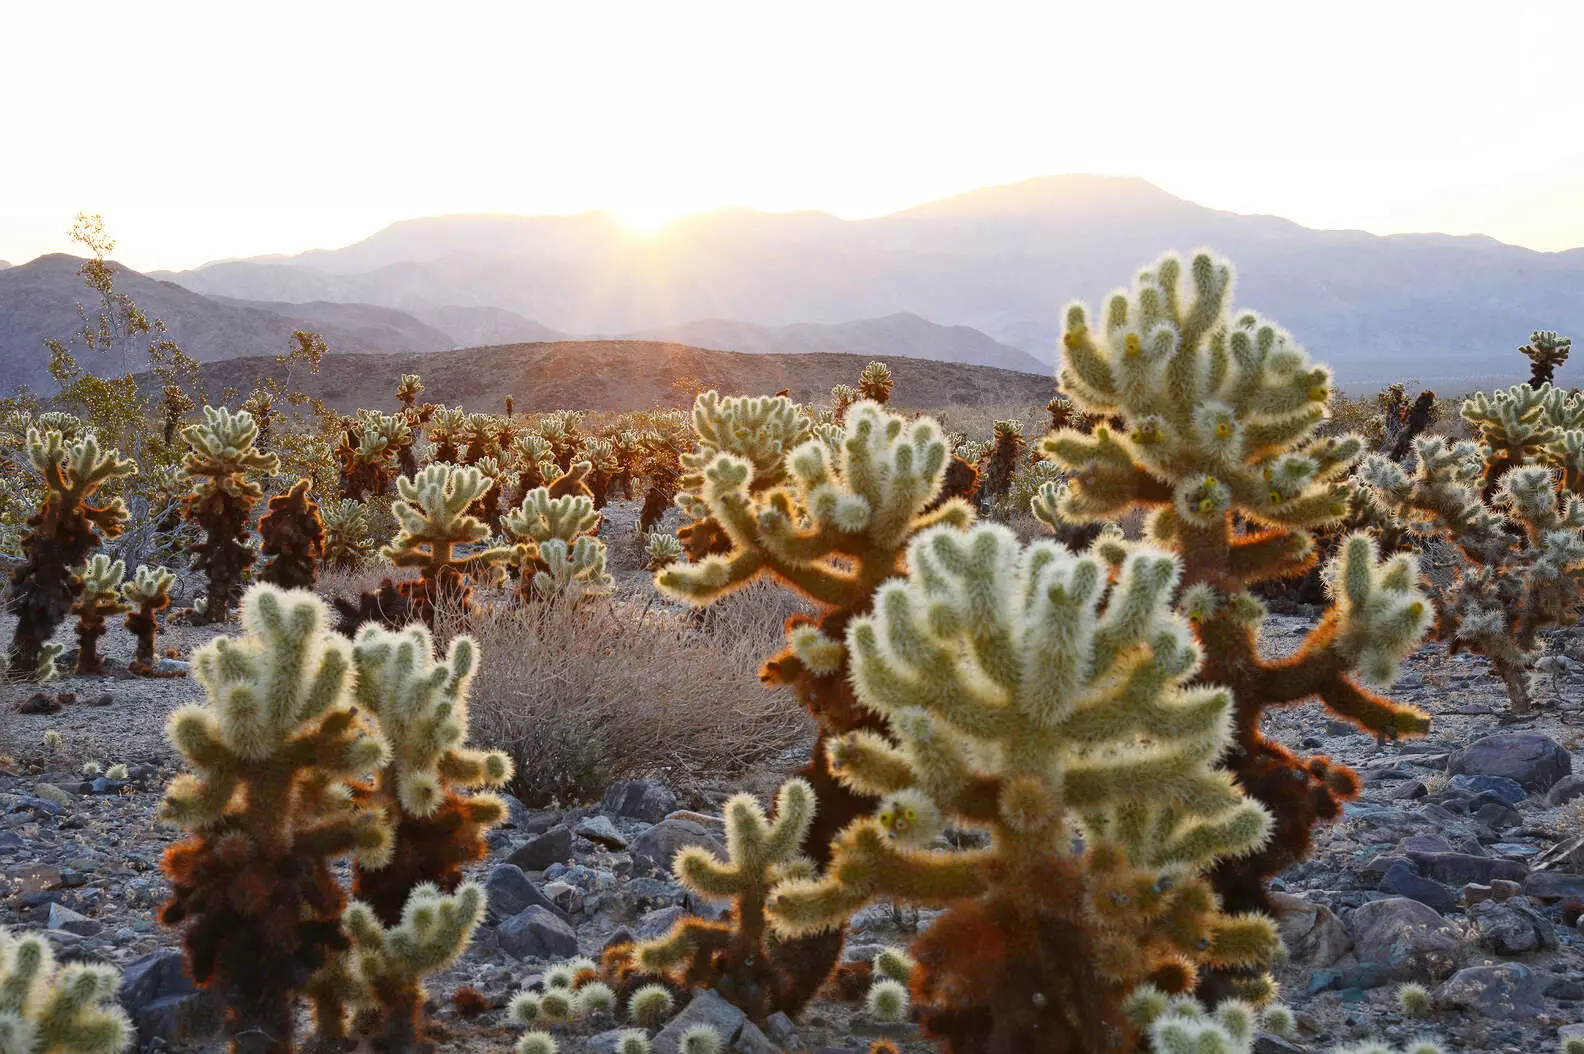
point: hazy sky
(206, 130)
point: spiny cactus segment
(221, 455)
(48, 1008)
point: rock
(1553, 886)
(1511, 927)
(1402, 880)
(648, 892)
(537, 933)
(639, 800)
(64, 918)
(600, 830)
(781, 1029)
(51, 793)
(1533, 760)
(1504, 789)
(1456, 869)
(157, 975)
(707, 1008)
(175, 1019)
(657, 922)
(168, 667)
(1510, 991)
(654, 849)
(1265, 1043)
(752, 1041)
(40, 703)
(1502, 889)
(540, 851)
(620, 935)
(565, 896)
(1312, 932)
(1411, 942)
(1565, 790)
(508, 891)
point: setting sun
(647, 220)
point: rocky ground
(1453, 869)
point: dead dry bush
(630, 686)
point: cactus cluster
(221, 455)
(49, 1008)
(1219, 411)
(554, 549)
(98, 599)
(292, 538)
(374, 447)
(146, 595)
(61, 535)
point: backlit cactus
(221, 454)
(875, 383)
(374, 448)
(390, 962)
(1030, 696)
(1546, 352)
(98, 599)
(267, 807)
(420, 705)
(292, 538)
(731, 957)
(1006, 453)
(61, 535)
(553, 546)
(146, 595)
(348, 544)
(48, 1008)
(1520, 553)
(1218, 413)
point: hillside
(628, 375)
(1435, 309)
(904, 334)
(37, 301)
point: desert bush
(575, 698)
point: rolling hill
(1004, 260)
(628, 375)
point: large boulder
(508, 891)
(639, 800)
(707, 1008)
(1406, 939)
(1511, 991)
(540, 851)
(1311, 931)
(654, 849)
(1511, 927)
(1535, 761)
(537, 933)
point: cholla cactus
(1183, 1026)
(480, 438)
(1528, 426)
(1032, 697)
(600, 453)
(348, 543)
(292, 535)
(97, 600)
(1005, 454)
(220, 456)
(408, 388)
(433, 519)
(421, 707)
(535, 460)
(732, 958)
(146, 595)
(390, 963)
(830, 518)
(373, 448)
(1520, 566)
(1219, 445)
(842, 397)
(46, 1008)
(61, 535)
(554, 549)
(267, 807)
(1546, 352)
(445, 431)
(875, 383)
(662, 549)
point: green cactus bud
(700, 1039)
(650, 1005)
(887, 1001)
(595, 998)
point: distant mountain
(1006, 260)
(903, 335)
(632, 375)
(471, 327)
(3, 265)
(37, 300)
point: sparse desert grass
(628, 686)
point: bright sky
(207, 130)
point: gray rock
(1402, 880)
(1409, 941)
(1461, 868)
(752, 1041)
(1312, 932)
(639, 800)
(1265, 1043)
(64, 918)
(657, 922)
(1511, 927)
(781, 1029)
(508, 891)
(600, 830)
(707, 1008)
(1504, 788)
(157, 975)
(540, 851)
(1510, 991)
(537, 933)
(1554, 885)
(654, 849)
(1533, 760)
(1565, 790)
(646, 892)
(176, 1019)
